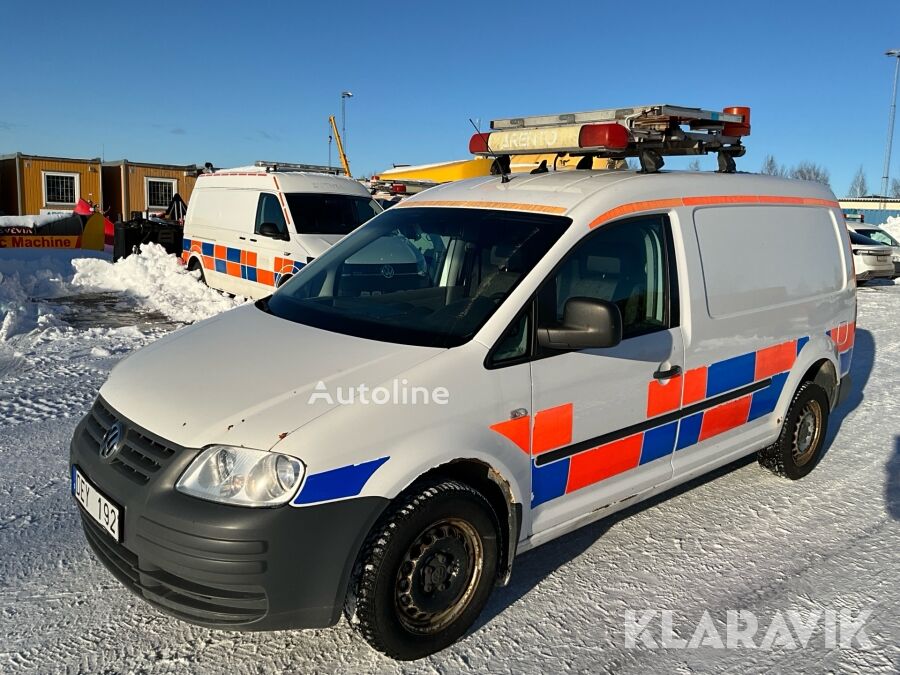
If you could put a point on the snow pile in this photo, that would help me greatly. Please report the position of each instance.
(158, 281)
(892, 226)
(25, 275)
(31, 221)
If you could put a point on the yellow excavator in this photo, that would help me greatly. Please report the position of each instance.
(340, 147)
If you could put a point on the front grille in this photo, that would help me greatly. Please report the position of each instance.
(140, 456)
(183, 598)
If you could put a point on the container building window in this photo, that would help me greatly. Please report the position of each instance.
(60, 188)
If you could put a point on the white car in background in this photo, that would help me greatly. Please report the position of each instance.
(879, 235)
(871, 259)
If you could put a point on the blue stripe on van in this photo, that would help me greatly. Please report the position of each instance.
(689, 430)
(765, 400)
(845, 361)
(548, 481)
(207, 248)
(221, 267)
(802, 341)
(730, 374)
(659, 442)
(345, 481)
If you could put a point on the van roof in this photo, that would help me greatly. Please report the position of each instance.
(286, 181)
(559, 192)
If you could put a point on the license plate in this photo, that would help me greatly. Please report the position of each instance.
(103, 511)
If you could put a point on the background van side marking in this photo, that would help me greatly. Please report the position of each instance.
(673, 203)
(238, 263)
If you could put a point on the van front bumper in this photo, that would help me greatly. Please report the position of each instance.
(217, 565)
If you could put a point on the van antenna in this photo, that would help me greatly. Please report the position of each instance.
(504, 178)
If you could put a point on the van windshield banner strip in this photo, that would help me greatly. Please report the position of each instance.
(581, 446)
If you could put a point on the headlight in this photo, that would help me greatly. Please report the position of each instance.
(242, 477)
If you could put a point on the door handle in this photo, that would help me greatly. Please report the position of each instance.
(253, 240)
(674, 371)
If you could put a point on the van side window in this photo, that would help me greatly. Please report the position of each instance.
(269, 211)
(624, 263)
(514, 344)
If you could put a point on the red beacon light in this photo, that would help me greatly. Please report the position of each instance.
(613, 136)
(478, 144)
(734, 128)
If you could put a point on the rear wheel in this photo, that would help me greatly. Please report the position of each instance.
(426, 571)
(799, 446)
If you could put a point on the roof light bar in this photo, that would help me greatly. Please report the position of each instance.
(622, 132)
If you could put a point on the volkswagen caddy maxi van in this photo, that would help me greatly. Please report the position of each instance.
(584, 340)
(248, 230)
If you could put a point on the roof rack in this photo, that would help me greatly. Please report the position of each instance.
(647, 132)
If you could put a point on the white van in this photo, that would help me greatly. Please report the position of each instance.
(573, 343)
(249, 229)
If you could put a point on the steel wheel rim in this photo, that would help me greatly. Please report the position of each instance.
(438, 576)
(807, 433)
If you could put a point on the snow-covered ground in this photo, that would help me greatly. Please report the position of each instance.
(740, 540)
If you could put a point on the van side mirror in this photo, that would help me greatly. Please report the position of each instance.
(272, 230)
(587, 324)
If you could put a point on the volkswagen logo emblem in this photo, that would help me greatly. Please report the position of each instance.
(387, 271)
(113, 440)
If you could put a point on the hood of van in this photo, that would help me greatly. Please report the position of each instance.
(248, 378)
(317, 244)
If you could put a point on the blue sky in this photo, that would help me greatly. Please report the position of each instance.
(232, 82)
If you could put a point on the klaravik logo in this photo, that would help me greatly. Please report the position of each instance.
(742, 629)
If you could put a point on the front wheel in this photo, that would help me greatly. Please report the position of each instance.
(426, 571)
(194, 264)
(799, 446)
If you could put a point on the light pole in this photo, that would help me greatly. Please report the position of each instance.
(344, 96)
(895, 53)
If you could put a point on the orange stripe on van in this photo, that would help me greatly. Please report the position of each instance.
(725, 417)
(775, 359)
(694, 385)
(508, 206)
(663, 397)
(517, 430)
(673, 203)
(603, 462)
(552, 428)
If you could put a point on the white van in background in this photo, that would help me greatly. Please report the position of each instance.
(248, 230)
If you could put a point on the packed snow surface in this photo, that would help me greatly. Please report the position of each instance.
(739, 540)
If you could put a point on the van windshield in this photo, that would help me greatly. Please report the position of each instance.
(316, 213)
(422, 276)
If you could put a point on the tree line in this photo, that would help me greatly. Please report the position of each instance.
(859, 187)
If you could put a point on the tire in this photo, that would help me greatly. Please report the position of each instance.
(799, 446)
(194, 264)
(426, 571)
